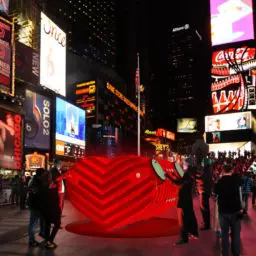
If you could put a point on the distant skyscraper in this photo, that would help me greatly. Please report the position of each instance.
(90, 25)
(187, 72)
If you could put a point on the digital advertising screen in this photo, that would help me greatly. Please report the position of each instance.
(86, 97)
(27, 64)
(37, 121)
(11, 144)
(70, 129)
(231, 21)
(7, 57)
(233, 80)
(186, 125)
(52, 56)
(4, 6)
(228, 122)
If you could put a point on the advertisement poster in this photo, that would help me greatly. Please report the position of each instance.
(231, 21)
(86, 97)
(52, 56)
(37, 121)
(27, 64)
(70, 129)
(10, 140)
(186, 125)
(4, 6)
(233, 80)
(228, 122)
(6, 57)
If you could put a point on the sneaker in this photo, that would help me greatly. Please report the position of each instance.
(193, 237)
(181, 242)
(50, 245)
(34, 244)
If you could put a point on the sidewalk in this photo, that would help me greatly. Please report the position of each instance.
(13, 239)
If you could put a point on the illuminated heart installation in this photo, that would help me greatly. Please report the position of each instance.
(115, 192)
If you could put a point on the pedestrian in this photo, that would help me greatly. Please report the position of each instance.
(186, 214)
(246, 190)
(229, 205)
(52, 213)
(23, 190)
(253, 190)
(37, 190)
(57, 173)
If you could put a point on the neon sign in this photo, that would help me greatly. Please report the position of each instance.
(123, 98)
(233, 80)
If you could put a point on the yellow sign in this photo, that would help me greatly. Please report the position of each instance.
(148, 132)
(162, 147)
(35, 161)
(123, 98)
(85, 84)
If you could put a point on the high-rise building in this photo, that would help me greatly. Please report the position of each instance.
(90, 25)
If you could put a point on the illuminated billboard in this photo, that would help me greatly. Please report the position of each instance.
(186, 125)
(70, 129)
(11, 145)
(4, 6)
(37, 121)
(52, 56)
(231, 21)
(86, 97)
(7, 57)
(233, 79)
(228, 122)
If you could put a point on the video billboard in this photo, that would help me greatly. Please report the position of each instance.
(228, 122)
(52, 56)
(86, 97)
(7, 57)
(27, 64)
(231, 21)
(37, 121)
(186, 125)
(233, 79)
(70, 129)
(11, 145)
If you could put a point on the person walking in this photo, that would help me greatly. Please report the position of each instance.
(246, 190)
(229, 205)
(253, 190)
(186, 214)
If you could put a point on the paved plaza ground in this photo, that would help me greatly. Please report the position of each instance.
(13, 239)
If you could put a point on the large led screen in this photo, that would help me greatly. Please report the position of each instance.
(186, 125)
(228, 122)
(233, 80)
(7, 57)
(70, 129)
(52, 56)
(11, 134)
(4, 6)
(231, 21)
(37, 121)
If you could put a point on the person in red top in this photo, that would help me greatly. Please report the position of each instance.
(57, 174)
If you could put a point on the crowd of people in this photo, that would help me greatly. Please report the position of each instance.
(43, 194)
(230, 179)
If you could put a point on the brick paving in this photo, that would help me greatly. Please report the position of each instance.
(13, 239)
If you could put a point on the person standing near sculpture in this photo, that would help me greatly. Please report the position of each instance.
(200, 151)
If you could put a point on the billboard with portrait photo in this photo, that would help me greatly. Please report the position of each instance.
(11, 145)
(231, 21)
(37, 121)
(7, 57)
(52, 56)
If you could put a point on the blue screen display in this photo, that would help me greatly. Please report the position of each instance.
(70, 123)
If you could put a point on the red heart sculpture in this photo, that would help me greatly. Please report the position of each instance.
(120, 191)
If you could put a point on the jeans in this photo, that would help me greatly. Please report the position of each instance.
(245, 200)
(205, 209)
(253, 196)
(51, 234)
(232, 221)
(34, 217)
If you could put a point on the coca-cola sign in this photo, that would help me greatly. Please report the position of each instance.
(52, 56)
(231, 55)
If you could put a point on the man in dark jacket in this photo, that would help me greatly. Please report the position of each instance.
(229, 201)
(186, 214)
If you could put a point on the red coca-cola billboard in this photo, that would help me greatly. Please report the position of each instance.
(233, 79)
